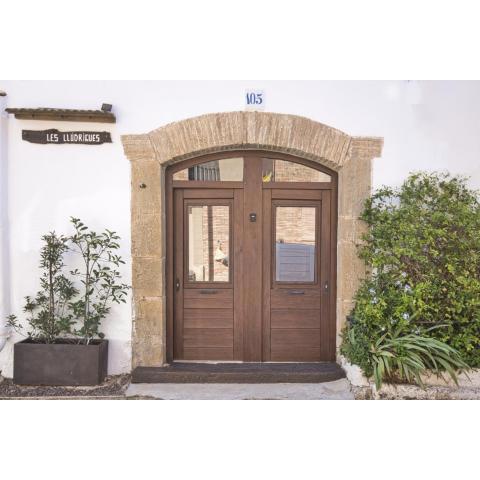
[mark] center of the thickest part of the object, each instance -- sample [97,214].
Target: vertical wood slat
[267,273]
[238,272]
[333,271]
[178,262]
[170,268]
[211,266]
[253,260]
[325,276]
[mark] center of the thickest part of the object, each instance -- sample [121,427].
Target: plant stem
[51,319]
[87,295]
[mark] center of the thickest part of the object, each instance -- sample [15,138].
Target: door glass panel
[225,170]
[274,170]
[295,229]
[208,243]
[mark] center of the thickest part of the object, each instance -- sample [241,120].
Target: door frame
[149,153]
[171,185]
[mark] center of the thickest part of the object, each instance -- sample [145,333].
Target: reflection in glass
[282,171]
[225,170]
[208,243]
[295,244]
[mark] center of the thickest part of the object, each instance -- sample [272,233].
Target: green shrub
[405,357]
[423,249]
[99,278]
[48,313]
[74,304]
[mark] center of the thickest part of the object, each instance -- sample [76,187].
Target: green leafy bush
[74,306]
[423,248]
[48,313]
[99,278]
[405,357]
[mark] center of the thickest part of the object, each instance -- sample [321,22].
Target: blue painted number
[254,98]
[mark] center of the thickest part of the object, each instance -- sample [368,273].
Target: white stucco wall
[426,125]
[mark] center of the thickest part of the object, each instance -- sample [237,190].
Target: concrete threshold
[335,390]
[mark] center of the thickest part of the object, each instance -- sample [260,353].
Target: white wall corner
[354,373]
[4,235]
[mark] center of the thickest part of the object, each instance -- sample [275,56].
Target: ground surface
[413,392]
[113,387]
[119,387]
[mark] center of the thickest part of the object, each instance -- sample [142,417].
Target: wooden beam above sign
[62,114]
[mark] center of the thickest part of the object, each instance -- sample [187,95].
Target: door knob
[177,285]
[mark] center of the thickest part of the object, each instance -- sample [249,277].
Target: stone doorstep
[239,373]
[336,390]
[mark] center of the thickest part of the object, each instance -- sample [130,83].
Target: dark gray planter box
[60,363]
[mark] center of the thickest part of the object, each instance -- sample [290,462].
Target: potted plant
[64,344]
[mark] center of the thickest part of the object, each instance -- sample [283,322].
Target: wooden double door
[252,265]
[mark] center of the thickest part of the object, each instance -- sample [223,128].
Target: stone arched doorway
[150,154]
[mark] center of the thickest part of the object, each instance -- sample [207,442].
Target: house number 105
[255,99]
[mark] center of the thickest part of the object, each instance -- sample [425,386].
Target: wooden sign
[55,136]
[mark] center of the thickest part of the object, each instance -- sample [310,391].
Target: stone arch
[152,152]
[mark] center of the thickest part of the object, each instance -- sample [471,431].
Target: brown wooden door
[207,243]
[297,276]
[252,275]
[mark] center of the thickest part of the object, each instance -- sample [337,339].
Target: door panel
[295,298]
[238,275]
[208,318]
[293,243]
[327,280]
[204,261]
[284,318]
[206,353]
[208,337]
[306,337]
[253,258]
[296,353]
[212,298]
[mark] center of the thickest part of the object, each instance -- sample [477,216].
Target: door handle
[326,287]
[208,292]
[177,284]
[296,292]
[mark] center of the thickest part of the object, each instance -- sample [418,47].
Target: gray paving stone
[337,390]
